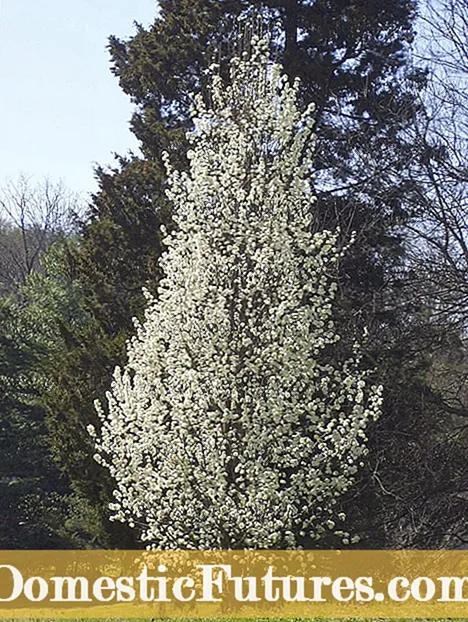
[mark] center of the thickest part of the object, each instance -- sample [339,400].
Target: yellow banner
[233,584]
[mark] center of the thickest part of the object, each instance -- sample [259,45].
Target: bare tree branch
[32,217]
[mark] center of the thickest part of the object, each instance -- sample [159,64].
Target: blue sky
[61,109]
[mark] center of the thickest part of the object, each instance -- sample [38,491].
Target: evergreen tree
[50,308]
[233,425]
[33,499]
[352,58]
[39,508]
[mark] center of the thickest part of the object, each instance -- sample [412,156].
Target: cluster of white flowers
[231,425]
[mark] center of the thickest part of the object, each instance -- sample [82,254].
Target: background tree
[34,493]
[436,259]
[440,233]
[233,424]
[49,309]
[35,219]
[32,217]
[40,308]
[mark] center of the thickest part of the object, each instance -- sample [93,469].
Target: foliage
[32,489]
[39,510]
[52,299]
[233,425]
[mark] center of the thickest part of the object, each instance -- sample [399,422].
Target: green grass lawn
[238,619]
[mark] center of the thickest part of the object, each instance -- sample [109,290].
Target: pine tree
[33,492]
[233,425]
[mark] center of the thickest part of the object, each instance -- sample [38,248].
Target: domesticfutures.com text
[215,581]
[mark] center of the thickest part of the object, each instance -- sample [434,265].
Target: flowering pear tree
[233,424]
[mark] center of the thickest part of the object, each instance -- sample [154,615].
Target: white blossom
[232,425]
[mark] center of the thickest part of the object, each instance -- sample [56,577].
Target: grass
[236,619]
